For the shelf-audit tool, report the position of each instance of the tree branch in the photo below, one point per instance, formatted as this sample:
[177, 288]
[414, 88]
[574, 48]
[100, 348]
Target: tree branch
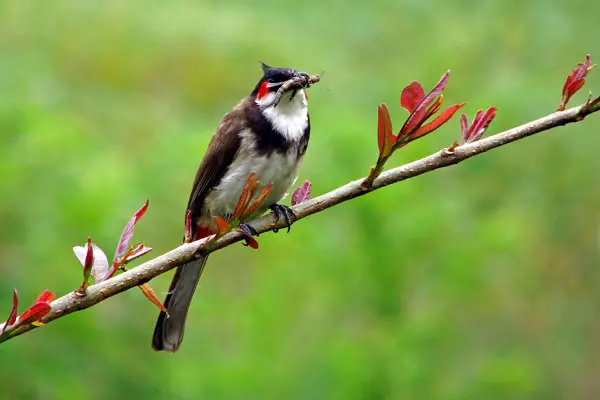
[96, 293]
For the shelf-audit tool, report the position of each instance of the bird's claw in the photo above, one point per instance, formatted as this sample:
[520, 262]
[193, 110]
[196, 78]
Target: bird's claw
[283, 211]
[248, 229]
[249, 232]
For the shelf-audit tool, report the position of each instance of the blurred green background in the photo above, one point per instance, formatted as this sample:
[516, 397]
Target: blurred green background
[476, 281]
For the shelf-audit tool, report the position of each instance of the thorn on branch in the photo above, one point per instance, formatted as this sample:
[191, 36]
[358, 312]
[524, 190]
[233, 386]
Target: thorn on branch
[449, 151]
[589, 107]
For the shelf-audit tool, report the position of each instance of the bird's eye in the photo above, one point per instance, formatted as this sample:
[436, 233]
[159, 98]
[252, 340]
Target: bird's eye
[270, 80]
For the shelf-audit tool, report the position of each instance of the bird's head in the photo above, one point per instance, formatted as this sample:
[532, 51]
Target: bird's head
[272, 80]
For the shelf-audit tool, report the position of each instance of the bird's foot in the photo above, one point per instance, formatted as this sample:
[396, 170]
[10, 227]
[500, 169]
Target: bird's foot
[249, 232]
[283, 211]
[247, 229]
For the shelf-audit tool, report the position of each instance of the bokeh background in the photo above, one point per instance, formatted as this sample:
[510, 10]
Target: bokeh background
[476, 281]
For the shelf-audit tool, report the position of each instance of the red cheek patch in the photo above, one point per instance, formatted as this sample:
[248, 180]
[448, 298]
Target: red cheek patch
[263, 90]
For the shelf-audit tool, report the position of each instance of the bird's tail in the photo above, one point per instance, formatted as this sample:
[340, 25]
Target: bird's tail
[168, 332]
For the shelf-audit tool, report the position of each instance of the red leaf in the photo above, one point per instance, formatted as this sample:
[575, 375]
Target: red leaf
[89, 256]
[435, 107]
[245, 197]
[574, 87]
[436, 123]
[411, 96]
[34, 313]
[577, 75]
[480, 124]
[251, 209]
[150, 295]
[46, 297]
[38, 310]
[12, 317]
[417, 117]
[575, 81]
[128, 231]
[125, 238]
[464, 127]
[384, 130]
[223, 225]
[302, 193]
[87, 265]
[137, 251]
[188, 226]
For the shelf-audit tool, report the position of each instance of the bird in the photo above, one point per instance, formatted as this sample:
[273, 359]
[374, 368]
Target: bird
[267, 134]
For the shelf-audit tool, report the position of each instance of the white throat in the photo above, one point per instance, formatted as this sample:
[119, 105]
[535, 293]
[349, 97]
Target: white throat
[290, 116]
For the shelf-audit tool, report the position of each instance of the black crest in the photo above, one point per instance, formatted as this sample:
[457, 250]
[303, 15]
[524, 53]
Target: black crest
[277, 75]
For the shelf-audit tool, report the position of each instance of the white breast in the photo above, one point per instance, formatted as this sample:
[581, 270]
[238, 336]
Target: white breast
[290, 118]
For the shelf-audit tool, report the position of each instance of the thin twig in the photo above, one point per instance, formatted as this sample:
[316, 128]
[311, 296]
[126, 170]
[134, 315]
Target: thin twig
[186, 252]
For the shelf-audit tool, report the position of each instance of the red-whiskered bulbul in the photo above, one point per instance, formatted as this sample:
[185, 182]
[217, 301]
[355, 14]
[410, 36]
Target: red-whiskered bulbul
[260, 135]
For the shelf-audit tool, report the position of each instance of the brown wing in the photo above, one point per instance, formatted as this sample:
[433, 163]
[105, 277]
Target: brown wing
[219, 155]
